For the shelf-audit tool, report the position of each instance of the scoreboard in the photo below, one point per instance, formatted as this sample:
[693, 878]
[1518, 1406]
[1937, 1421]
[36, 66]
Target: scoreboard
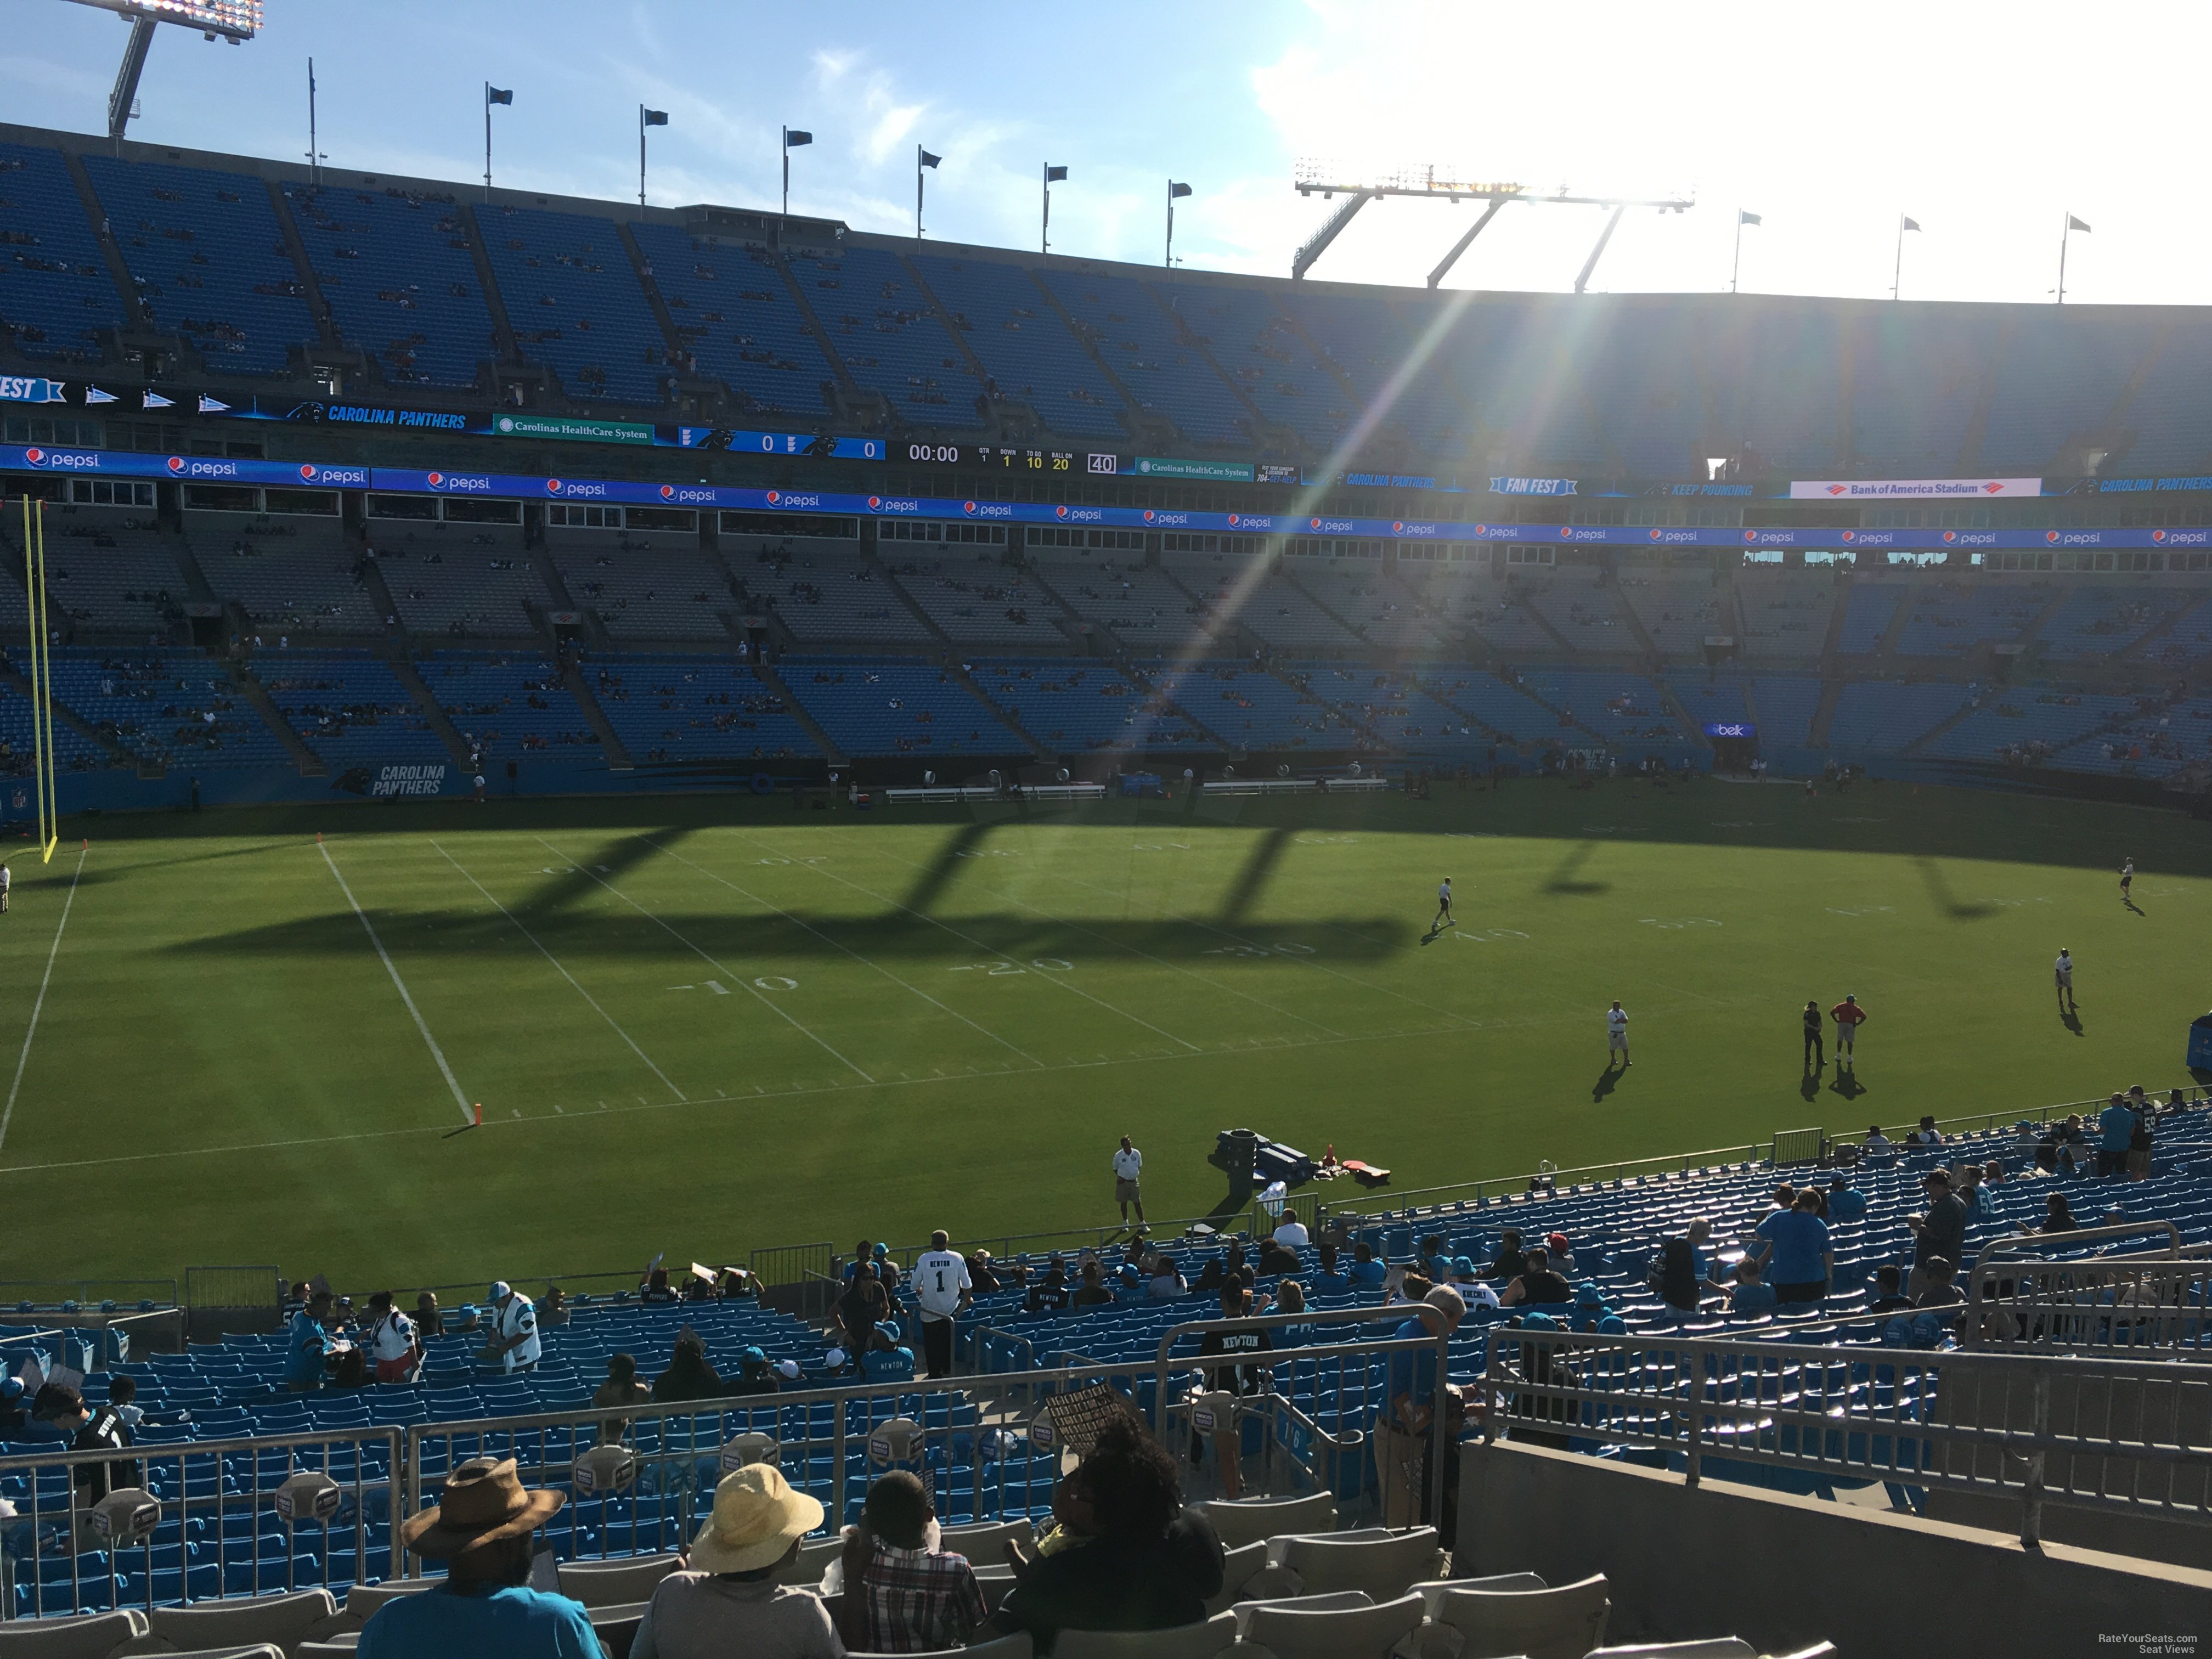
[996, 458]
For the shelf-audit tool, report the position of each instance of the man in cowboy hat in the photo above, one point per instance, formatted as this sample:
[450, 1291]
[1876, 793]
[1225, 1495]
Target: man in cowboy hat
[481, 1528]
[728, 1601]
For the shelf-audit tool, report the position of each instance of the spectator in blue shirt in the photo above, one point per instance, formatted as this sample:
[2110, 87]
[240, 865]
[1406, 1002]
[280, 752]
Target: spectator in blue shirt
[1845, 1201]
[307, 1345]
[1329, 1281]
[1797, 1259]
[1752, 1294]
[2116, 1127]
[886, 1359]
[481, 1528]
[1366, 1270]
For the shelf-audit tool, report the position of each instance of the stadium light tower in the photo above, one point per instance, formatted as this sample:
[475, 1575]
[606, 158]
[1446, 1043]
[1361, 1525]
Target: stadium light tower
[234, 21]
[1423, 184]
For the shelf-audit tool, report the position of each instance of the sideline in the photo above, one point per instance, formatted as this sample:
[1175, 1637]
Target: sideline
[22, 1060]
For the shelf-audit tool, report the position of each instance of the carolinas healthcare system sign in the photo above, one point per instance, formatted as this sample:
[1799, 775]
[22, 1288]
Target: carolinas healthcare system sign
[1912, 489]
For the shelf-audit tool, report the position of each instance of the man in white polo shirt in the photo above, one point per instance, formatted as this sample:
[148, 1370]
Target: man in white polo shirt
[1129, 1166]
[942, 1288]
[512, 1345]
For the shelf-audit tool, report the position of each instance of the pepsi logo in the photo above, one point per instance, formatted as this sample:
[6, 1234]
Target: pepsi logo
[1233, 521]
[437, 479]
[1751, 535]
[1950, 535]
[552, 486]
[874, 501]
[176, 463]
[308, 473]
[2158, 535]
[34, 456]
[1565, 534]
[668, 492]
[1655, 535]
[1059, 513]
[968, 507]
[1851, 535]
[1148, 515]
[2048, 534]
[775, 495]
[1313, 524]
[1397, 526]
[1482, 529]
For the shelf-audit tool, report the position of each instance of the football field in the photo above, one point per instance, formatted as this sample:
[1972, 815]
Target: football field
[707, 1025]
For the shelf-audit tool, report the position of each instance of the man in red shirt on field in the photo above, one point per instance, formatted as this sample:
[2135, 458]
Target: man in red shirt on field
[1848, 1016]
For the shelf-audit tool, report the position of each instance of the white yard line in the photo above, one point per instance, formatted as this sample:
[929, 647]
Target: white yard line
[962, 1079]
[562, 971]
[847, 950]
[414, 1013]
[31, 1030]
[1050, 979]
[742, 983]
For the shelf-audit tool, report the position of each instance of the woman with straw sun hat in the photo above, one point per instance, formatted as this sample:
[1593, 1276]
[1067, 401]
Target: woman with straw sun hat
[728, 1601]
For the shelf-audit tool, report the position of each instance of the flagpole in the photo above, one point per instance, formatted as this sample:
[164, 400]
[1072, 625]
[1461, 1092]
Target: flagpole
[640, 156]
[1735, 266]
[917, 192]
[487, 141]
[2065, 235]
[1897, 271]
[1044, 226]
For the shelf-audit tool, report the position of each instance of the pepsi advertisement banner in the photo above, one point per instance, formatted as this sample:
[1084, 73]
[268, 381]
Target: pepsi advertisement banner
[208, 469]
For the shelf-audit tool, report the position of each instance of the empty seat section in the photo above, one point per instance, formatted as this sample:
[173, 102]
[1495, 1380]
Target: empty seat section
[1368, 598]
[396, 270]
[735, 316]
[56, 294]
[293, 576]
[890, 337]
[668, 708]
[1249, 707]
[895, 706]
[461, 581]
[572, 299]
[1024, 346]
[210, 261]
[350, 707]
[506, 705]
[1786, 613]
[643, 586]
[1275, 609]
[976, 598]
[1949, 620]
[178, 707]
[2103, 622]
[1374, 346]
[107, 571]
[1867, 614]
[1072, 706]
[1679, 613]
[1619, 707]
[1264, 353]
[1785, 706]
[1887, 714]
[1141, 605]
[1166, 372]
[825, 591]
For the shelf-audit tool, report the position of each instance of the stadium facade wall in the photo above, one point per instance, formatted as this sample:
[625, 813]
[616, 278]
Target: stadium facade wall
[1784, 1572]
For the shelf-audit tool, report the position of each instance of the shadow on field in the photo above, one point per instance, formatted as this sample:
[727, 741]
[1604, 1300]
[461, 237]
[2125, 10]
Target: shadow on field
[1567, 877]
[2071, 1019]
[600, 934]
[1847, 1084]
[1607, 1081]
[1940, 895]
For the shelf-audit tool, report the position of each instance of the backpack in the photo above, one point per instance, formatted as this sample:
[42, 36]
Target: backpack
[1673, 1274]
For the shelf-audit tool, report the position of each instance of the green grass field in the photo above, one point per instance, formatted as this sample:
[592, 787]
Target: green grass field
[709, 1024]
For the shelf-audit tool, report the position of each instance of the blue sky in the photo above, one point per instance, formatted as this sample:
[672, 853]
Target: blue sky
[1985, 123]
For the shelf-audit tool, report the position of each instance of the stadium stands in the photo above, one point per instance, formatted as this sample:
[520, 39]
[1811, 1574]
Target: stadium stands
[348, 706]
[1889, 715]
[176, 707]
[643, 588]
[459, 581]
[737, 318]
[1024, 346]
[110, 572]
[1139, 341]
[1073, 707]
[694, 708]
[895, 706]
[1251, 709]
[827, 593]
[55, 295]
[209, 260]
[574, 300]
[396, 270]
[505, 705]
[292, 576]
[890, 337]
[979, 601]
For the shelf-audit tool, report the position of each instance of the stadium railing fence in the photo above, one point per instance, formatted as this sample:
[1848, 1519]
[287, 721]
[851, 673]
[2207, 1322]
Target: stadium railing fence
[2095, 1433]
[47, 1294]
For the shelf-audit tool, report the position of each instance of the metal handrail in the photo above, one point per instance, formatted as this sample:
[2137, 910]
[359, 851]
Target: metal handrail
[1669, 1392]
[2018, 1246]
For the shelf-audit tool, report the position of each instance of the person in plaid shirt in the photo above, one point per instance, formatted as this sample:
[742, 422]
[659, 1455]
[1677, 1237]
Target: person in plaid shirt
[902, 1596]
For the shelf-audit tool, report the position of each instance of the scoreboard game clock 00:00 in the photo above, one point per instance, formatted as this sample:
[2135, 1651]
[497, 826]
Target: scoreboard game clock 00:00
[1004, 459]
